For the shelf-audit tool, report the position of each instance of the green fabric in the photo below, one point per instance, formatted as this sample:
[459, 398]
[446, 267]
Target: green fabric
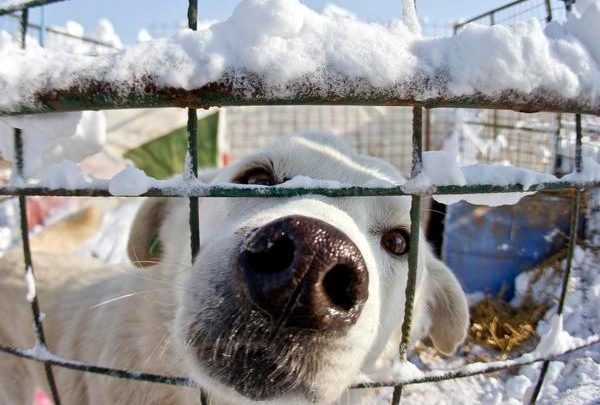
[164, 157]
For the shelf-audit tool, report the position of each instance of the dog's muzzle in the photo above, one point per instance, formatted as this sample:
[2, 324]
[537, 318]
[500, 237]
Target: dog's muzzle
[303, 273]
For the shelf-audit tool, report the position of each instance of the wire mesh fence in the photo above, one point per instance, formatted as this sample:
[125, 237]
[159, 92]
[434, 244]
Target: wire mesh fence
[390, 131]
[66, 39]
[543, 141]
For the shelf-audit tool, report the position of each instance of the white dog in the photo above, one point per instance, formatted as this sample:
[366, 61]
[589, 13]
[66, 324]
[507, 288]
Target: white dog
[286, 303]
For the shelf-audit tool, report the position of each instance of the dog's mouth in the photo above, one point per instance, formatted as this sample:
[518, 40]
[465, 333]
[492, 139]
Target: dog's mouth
[259, 362]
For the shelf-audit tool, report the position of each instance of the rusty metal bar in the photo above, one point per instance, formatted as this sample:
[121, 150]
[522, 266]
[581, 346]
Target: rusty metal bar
[239, 89]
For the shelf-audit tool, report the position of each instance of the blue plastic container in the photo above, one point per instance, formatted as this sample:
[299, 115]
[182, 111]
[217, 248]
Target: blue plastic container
[487, 247]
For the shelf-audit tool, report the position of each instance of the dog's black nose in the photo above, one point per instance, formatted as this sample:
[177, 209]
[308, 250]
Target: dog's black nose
[304, 273]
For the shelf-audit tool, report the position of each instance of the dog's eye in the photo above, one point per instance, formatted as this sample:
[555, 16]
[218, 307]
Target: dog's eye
[258, 176]
[395, 241]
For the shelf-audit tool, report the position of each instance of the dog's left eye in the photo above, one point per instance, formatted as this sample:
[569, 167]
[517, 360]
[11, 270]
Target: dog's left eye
[395, 241]
[258, 176]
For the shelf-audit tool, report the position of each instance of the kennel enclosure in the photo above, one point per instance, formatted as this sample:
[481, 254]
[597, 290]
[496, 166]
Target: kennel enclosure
[246, 88]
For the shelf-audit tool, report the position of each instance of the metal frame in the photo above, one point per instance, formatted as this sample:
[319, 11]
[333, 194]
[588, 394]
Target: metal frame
[96, 97]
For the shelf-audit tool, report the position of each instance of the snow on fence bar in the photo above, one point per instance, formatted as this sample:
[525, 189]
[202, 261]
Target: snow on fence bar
[189, 70]
[298, 56]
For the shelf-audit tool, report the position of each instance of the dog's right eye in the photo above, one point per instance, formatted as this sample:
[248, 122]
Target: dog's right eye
[258, 176]
[395, 241]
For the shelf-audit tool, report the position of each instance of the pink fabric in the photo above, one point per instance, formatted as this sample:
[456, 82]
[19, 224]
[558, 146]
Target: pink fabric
[41, 398]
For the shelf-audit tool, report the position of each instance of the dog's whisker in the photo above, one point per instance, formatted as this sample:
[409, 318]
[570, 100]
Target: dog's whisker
[121, 297]
[164, 337]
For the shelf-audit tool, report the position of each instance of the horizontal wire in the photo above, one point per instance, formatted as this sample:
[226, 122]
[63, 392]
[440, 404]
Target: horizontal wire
[203, 190]
[430, 376]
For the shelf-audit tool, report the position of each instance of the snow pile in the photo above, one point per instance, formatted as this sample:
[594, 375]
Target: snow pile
[105, 32]
[440, 169]
[52, 138]
[129, 181]
[304, 181]
[143, 35]
[590, 171]
[65, 174]
[293, 42]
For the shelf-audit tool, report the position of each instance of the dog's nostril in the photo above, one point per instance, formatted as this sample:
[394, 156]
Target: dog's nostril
[338, 285]
[275, 258]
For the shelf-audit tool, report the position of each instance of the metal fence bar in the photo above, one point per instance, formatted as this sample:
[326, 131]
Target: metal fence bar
[192, 164]
[578, 143]
[201, 190]
[29, 273]
[192, 175]
[26, 5]
[92, 94]
[557, 155]
[548, 10]
[571, 249]
[415, 230]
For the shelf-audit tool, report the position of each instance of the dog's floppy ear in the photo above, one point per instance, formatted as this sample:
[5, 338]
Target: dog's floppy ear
[447, 306]
[144, 247]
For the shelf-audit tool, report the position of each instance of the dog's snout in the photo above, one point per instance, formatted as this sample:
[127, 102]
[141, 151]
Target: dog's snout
[304, 273]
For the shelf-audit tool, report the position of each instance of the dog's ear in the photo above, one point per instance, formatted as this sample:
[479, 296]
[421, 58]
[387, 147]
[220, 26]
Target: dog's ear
[447, 306]
[145, 247]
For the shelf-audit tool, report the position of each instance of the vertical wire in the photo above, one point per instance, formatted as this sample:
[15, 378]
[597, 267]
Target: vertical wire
[548, 11]
[578, 144]
[29, 273]
[570, 251]
[192, 164]
[558, 158]
[415, 229]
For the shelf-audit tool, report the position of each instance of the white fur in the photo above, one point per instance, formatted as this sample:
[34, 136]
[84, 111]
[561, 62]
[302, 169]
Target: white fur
[131, 333]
